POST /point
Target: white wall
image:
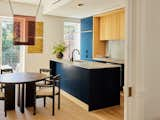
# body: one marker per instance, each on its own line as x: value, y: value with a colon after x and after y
x: 53, y: 32
x: 152, y: 61
x: 116, y: 49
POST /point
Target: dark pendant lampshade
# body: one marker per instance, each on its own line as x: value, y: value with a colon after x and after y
x: 24, y: 30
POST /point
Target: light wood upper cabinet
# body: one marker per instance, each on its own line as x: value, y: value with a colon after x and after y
x: 122, y: 25
x: 105, y: 22
x: 99, y: 46
x: 112, y: 25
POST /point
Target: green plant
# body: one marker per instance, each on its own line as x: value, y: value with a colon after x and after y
x: 59, y: 48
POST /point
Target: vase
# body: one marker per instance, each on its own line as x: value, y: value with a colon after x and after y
x: 59, y: 55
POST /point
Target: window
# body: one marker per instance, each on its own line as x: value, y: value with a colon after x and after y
x: 71, y: 38
x: 9, y: 53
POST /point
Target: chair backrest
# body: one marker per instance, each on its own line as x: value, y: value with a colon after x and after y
x: 56, y: 77
x: 45, y: 71
x: 7, y: 70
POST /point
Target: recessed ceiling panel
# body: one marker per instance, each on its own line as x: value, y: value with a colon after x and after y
x: 84, y: 8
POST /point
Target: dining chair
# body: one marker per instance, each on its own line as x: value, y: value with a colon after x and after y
x: 49, y: 90
x: 2, y: 87
x: 5, y: 71
x: 44, y: 71
x: 2, y: 97
x: 44, y: 82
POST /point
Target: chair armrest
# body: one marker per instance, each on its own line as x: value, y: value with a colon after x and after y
x: 57, y: 77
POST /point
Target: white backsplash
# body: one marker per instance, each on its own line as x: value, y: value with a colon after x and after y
x: 116, y: 49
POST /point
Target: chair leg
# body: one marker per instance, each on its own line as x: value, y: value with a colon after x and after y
x: 18, y: 101
x: 59, y: 95
x: 44, y: 101
x: 59, y: 100
x: 53, y: 101
x: 34, y: 103
x: 53, y: 107
x: 34, y: 109
x: 5, y: 111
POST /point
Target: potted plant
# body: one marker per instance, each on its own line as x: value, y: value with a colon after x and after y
x: 58, y: 49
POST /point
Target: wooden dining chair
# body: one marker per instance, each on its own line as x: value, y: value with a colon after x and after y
x: 49, y: 90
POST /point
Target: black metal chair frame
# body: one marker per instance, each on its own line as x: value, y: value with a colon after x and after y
x: 53, y: 80
x: 7, y: 70
x: 4, y: 99
x: 3, y: 87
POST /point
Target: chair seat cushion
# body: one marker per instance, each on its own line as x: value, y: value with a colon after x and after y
x: 42, y: 83
x: 47, y: 91
x: 1, y: 95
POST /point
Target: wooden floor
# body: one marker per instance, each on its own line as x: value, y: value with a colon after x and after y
x: 69, y: 111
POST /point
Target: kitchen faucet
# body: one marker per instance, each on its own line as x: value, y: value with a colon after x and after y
x: 73, y: 54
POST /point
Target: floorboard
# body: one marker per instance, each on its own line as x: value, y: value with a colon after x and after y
x: 69, y: 111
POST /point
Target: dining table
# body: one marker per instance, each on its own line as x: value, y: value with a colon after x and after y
x: 26, y: 88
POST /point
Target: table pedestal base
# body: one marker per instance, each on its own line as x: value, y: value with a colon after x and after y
x: 10, y: 96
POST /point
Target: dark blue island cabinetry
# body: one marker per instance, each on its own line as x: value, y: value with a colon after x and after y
x: 97, y: 87
x: 86, y: 38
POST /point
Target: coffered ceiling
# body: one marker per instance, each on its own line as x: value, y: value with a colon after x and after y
x: 75, y: 8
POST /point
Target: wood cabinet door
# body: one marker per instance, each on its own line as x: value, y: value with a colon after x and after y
x: 102, y: 28
x: 106, y: 27
x: 112, y: 26
x: 115, y: 26
x: 122, y: 25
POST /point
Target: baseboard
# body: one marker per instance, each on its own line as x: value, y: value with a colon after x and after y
x: 75, y: 100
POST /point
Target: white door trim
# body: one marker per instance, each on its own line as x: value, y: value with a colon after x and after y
x: 134, y: 77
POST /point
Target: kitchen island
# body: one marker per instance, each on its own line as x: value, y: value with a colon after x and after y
x: 96, y: 84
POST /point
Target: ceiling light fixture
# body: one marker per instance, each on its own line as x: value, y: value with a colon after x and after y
x: 80, y: 5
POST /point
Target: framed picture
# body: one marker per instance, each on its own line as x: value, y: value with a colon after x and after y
x: 24, y: 30
x: 38, y: 46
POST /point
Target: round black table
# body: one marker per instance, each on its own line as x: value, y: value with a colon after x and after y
x: 26, y: 81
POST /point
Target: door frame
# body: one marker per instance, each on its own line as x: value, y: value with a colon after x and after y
x: 134, y: 61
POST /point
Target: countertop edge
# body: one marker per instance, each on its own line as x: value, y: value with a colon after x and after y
x: 84, y: 65
x: 109, y: 60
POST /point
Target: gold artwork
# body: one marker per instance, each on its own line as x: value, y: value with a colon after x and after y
x: 38, y: 47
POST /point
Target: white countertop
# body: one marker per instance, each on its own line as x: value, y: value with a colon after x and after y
x: 117, y: 61
x: 87, y: 64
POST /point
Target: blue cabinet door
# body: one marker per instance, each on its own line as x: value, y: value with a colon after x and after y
x: 86, y: 38
x: 86, y: 45
x: 87, y: 24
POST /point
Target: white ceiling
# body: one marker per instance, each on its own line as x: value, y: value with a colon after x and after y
x: 91, y: 7
x: 68, y: 8
x: 27, y: 1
